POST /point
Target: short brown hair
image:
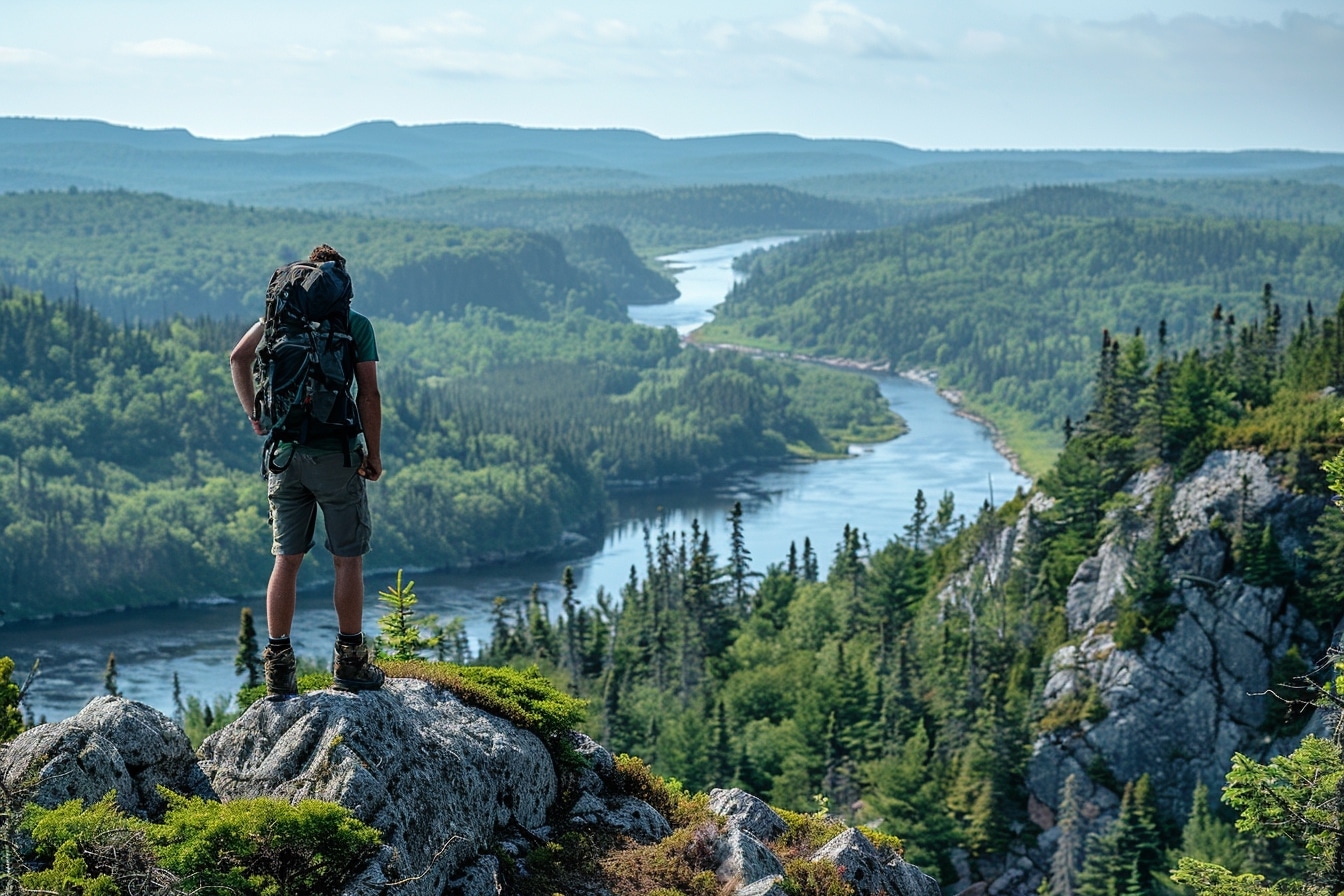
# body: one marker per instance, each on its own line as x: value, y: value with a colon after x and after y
x: 325, y: 253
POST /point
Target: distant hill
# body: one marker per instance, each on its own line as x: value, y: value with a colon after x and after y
x: 373, y: 160
x: 1319, y: 202
x: 146, y: 256
x: 653, y: 220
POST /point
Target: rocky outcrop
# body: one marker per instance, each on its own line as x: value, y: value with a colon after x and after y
x: 872, y: 873
x: 439, y: 778
x: 742, y: 811
x: 460, y: 796
x: 994, y: 558
x: 111, y: 744
x: 744, y: 857
x: 1180, y: 705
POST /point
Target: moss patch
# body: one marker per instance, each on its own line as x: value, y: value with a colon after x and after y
x: 524, y: 697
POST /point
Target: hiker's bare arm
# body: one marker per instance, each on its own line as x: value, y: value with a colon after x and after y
x: 240, y: 366
x: 370, y: 404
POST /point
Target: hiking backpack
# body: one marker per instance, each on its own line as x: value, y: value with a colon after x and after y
x: 305, y: 361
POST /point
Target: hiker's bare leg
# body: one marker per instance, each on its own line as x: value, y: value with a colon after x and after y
x: 280, y: 594
x: 348, y: 593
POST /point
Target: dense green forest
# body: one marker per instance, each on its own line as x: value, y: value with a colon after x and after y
x: 1008, y: 300
x: 141, y: 257
x: 1278, y: 200
x: 913, y: 707
x: 655, y: 221
x: 604, y: 255
x: 126, y: 447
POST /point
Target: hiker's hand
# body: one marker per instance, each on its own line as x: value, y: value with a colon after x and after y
x: 371, y: 468
x: 256, y: 426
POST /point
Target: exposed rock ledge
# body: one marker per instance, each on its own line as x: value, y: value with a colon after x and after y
x: 454, y: 790
x: 1177, y: 707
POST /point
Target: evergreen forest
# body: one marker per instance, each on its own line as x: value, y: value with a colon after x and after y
x: 127, y: 449
x: 1008, y: 301
x: 903, y: 689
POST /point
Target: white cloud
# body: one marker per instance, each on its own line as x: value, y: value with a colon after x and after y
x: 573, y: 26
x: 844, y: 28
x: 1295, y: 41
x: 167, y: 48
x: 457, y: 23
x: 21, y: 56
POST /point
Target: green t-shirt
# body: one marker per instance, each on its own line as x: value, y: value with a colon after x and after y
x: 366, y: 349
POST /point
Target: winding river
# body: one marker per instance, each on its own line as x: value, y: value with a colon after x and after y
x: 873, y: 490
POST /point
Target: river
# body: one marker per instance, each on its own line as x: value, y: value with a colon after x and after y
x: 874, y: 490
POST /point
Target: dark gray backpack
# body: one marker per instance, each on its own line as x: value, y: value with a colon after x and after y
x: 305, y: 362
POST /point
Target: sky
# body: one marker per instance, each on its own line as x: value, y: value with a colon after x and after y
x: 956, y: 74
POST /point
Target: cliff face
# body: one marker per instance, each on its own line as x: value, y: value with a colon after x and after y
x: 1179, y: 705
x: 460, y: 796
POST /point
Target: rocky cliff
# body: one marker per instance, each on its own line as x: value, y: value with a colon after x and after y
x: 1177, y: 706
x: 462, y: 798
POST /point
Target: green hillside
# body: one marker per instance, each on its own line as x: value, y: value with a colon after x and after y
x: 1009, y: 301
x: 145, y: 256
x: 1278, y: 200
x: 654, y: 221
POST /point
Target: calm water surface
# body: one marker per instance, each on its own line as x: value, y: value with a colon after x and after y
x: 873, y: 490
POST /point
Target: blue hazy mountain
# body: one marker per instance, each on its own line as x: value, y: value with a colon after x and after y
x: 375, y: 161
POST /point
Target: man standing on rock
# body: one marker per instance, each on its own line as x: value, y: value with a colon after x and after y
x: 314, y: 460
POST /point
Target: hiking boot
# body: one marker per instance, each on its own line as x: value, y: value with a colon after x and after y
x: 281, y: 680
x: 351, y: 669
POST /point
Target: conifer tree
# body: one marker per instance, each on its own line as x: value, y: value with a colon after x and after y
x: 110, y: 676
x: 739, y: 559
x: 248, y: 658
x: 179, y: 709
x: 402, y: 627
x: 571, y: 622
x: 810, y: 570
x: 1128, y: 856
x: 1067, y: 860
x: 1208, y: 838
x: 919, y: 521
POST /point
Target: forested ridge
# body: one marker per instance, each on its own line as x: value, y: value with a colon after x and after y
x: 905, y: 691
x: 1007, y: 301
x: 654, y: 220
x: 142, y: 256
x: 127, y: 451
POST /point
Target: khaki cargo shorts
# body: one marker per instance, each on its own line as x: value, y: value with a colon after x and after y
x: 323, y: 480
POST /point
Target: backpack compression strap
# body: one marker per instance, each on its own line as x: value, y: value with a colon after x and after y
x: 269, y: 450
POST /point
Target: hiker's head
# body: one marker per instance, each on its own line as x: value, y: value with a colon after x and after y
x: 324, y: 253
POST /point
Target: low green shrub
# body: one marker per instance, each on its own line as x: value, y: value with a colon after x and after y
x: 683, y: 863
x: 524, y: 697
x: 252, y: 847
x: 806, y: 832
x: 666, y: 795
x: 1074, y: 708
x: 91, y: 851
x: 804, y: 878
x: 263, y: 846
